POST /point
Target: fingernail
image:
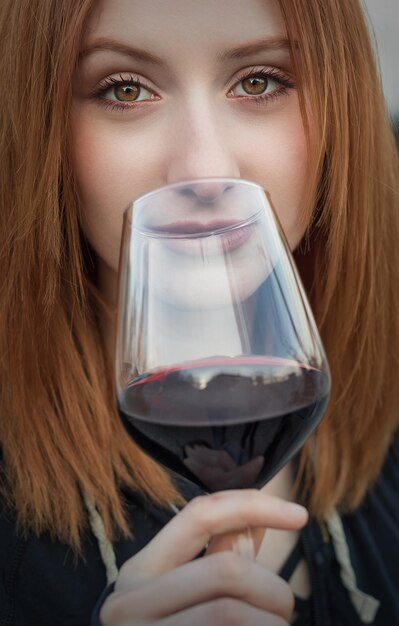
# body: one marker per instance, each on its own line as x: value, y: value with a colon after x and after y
x: 244, y: 546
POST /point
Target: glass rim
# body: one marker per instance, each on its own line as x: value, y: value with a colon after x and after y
x: 200, y: 234
x: 183, y: 183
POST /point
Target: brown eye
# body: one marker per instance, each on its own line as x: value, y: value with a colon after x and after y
x: 127, y: 93
x: 255, y: 85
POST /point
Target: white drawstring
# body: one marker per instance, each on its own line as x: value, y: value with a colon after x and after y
x: 107, y: 552
x: 366, y: 606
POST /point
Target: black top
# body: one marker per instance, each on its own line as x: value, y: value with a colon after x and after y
x: 42, y: 584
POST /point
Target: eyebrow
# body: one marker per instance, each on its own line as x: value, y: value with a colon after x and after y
x: 261, y: 45
x: 105, y: 44
x: 239, y: 52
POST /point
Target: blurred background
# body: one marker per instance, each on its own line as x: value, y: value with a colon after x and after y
x: 383, y: 17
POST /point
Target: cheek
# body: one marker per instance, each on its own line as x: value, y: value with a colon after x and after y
x: 111, y: 169
x: 280, y: 165
x: 287, y: 191
x: 112, y: 166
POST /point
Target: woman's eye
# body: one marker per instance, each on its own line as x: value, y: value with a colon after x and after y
x: 127, y: 92
x: 255, y: 86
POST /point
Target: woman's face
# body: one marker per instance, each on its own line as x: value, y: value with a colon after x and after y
x: 173, y: 90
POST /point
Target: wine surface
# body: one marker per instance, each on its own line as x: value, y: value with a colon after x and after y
x: 225, y: 423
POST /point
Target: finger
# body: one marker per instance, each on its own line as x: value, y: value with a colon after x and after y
x: 219, y: 576
x: 223, y: 612
x: 206, y: 516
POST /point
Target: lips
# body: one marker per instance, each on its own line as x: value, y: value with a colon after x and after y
x: 235, y: 238
x: 210, y: 238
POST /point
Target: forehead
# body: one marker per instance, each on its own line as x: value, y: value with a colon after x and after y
x: 171, y: 26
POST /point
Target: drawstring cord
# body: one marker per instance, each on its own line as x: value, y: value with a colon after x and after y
x: 107, y: 551
x: 105, y: 547
x: 365, y: 605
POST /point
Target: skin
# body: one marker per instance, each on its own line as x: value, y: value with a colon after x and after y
x: 221, y: 589
x: 196, y: 121
x: 193, y: 118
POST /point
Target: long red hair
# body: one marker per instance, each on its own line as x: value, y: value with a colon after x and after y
x: 349, y: 260
x: 59, y: 430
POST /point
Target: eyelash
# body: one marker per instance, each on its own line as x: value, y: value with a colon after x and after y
x: 108, y: 83
x: 285, y: 85
x: 285, y: 82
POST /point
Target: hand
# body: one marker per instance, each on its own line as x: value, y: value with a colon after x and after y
x: 163, y: 586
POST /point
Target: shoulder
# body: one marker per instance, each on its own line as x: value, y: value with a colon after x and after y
x: 43, y: 582
x: 372, y: 535
x: 354, y: 566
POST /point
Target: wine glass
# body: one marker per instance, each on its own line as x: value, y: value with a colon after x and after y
x: 220, y: 371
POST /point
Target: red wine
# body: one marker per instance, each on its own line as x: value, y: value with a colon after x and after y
x: 225, y: 423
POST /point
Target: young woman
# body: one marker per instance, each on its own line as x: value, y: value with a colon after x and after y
x: 101, y: 102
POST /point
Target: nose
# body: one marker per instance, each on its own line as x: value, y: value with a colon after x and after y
x: 207, y: 191
x: 201, y: 148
